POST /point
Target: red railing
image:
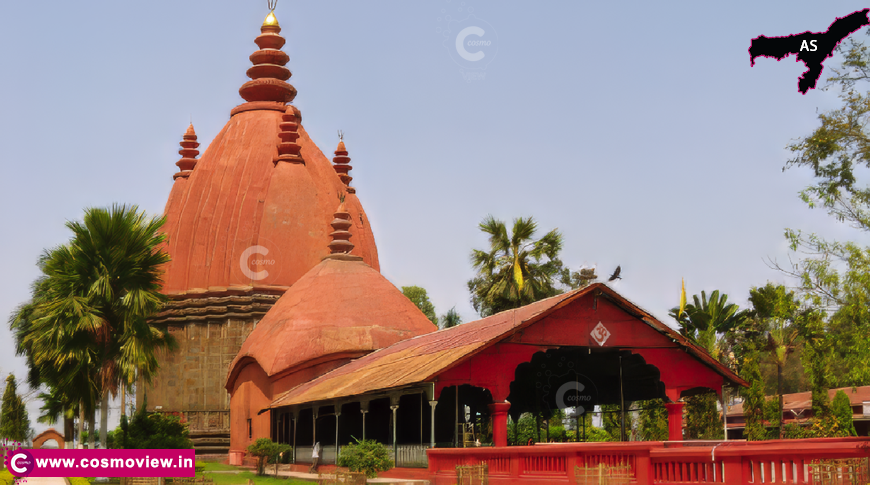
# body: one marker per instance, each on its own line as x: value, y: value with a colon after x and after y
x: 658, y: 463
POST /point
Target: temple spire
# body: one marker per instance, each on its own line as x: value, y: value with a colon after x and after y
x: 342, y: 163
x: 341, y: 246
x: 188, y: 153
x: 288, y: 148
x: 268, y: 75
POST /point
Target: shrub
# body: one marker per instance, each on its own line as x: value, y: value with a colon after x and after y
x: 155, y: 431
x: 367, y: 456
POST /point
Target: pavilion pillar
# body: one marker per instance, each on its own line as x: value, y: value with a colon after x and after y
x: 675, y: 421
x: 394, y: 406
x: 293, y: 419
x: 499, y: 412
x: 432, y: 405
x: 313, y: 426
x: 364, y: 409
x: 337, y: 414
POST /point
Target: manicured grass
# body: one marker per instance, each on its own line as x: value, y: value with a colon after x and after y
x: 242, y: 479
x: 211, y: 466
x: 6, y: 477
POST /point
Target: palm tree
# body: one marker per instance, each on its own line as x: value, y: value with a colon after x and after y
x: 704, y: 319
x: 777, y: 316
x: 517, y: 270
x: 451, y: 319
x: 99, y: 290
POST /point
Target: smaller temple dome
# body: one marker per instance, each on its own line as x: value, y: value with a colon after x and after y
x: 342, y: 309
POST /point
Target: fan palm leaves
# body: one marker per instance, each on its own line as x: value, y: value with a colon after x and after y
x: 90, y: 332
x: 517, y: 269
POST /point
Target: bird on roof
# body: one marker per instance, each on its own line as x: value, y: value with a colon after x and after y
x: 615, y: 275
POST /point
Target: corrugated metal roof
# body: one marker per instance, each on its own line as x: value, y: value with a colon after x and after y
x: 421, y: 359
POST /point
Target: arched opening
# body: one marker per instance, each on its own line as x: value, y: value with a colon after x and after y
x: 581, y: 378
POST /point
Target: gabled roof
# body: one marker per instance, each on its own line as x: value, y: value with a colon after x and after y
x: 422, y: 358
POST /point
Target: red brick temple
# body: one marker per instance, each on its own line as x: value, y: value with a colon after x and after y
x: 287, y: 330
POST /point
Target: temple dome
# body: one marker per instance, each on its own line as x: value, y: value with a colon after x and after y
x: 252, y: 212
x: 341, y: 309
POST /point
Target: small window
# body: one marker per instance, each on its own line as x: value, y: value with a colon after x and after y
x: 250, y: 430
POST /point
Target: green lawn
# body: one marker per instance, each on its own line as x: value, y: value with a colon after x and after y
x: 242, y: 479
x: 211, y: 466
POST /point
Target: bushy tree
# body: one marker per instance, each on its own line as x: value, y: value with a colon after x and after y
x: 14, y: 422
x: 367, y: 456
x: 267, y: 451
x: 420, y: 297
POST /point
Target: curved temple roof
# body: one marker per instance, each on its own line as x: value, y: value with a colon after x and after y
x: 341, y: 308
x: 248, y: 214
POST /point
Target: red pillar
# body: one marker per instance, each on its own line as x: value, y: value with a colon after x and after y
x: 675, y: 421
x: 499, y: 412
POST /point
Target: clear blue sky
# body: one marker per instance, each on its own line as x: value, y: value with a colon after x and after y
x: 636, y: 128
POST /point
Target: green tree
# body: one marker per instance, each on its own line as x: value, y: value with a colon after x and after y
x: 754, y: 399
x: 702, y: 417
x: 841, y: 408
x: 419, y: 297
x: 265, y: 450
x: 92, y: 306
x: 451, y: 318
x: 777, y: 314
x: 835, y: 276
x: 703, y: 321
x: 14, y: 422
x: 516, y: 269
x: 653, y: 420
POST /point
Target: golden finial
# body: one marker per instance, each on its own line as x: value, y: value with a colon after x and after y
x: 270, y: 19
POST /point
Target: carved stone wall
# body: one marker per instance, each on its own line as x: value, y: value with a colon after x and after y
x: 209, y: 333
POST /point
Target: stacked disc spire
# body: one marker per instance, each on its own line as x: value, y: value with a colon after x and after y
x: 268, y: 75
x: 188, y: 153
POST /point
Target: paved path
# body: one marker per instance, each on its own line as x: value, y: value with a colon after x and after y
x: 46, y: 481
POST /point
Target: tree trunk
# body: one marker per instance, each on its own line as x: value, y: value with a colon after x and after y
x: 92, y: 433
x: 123, y: 399
x: 104, y: 419
x: 81, y: 425
x: 779, y: 390
x: 68, y: 432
